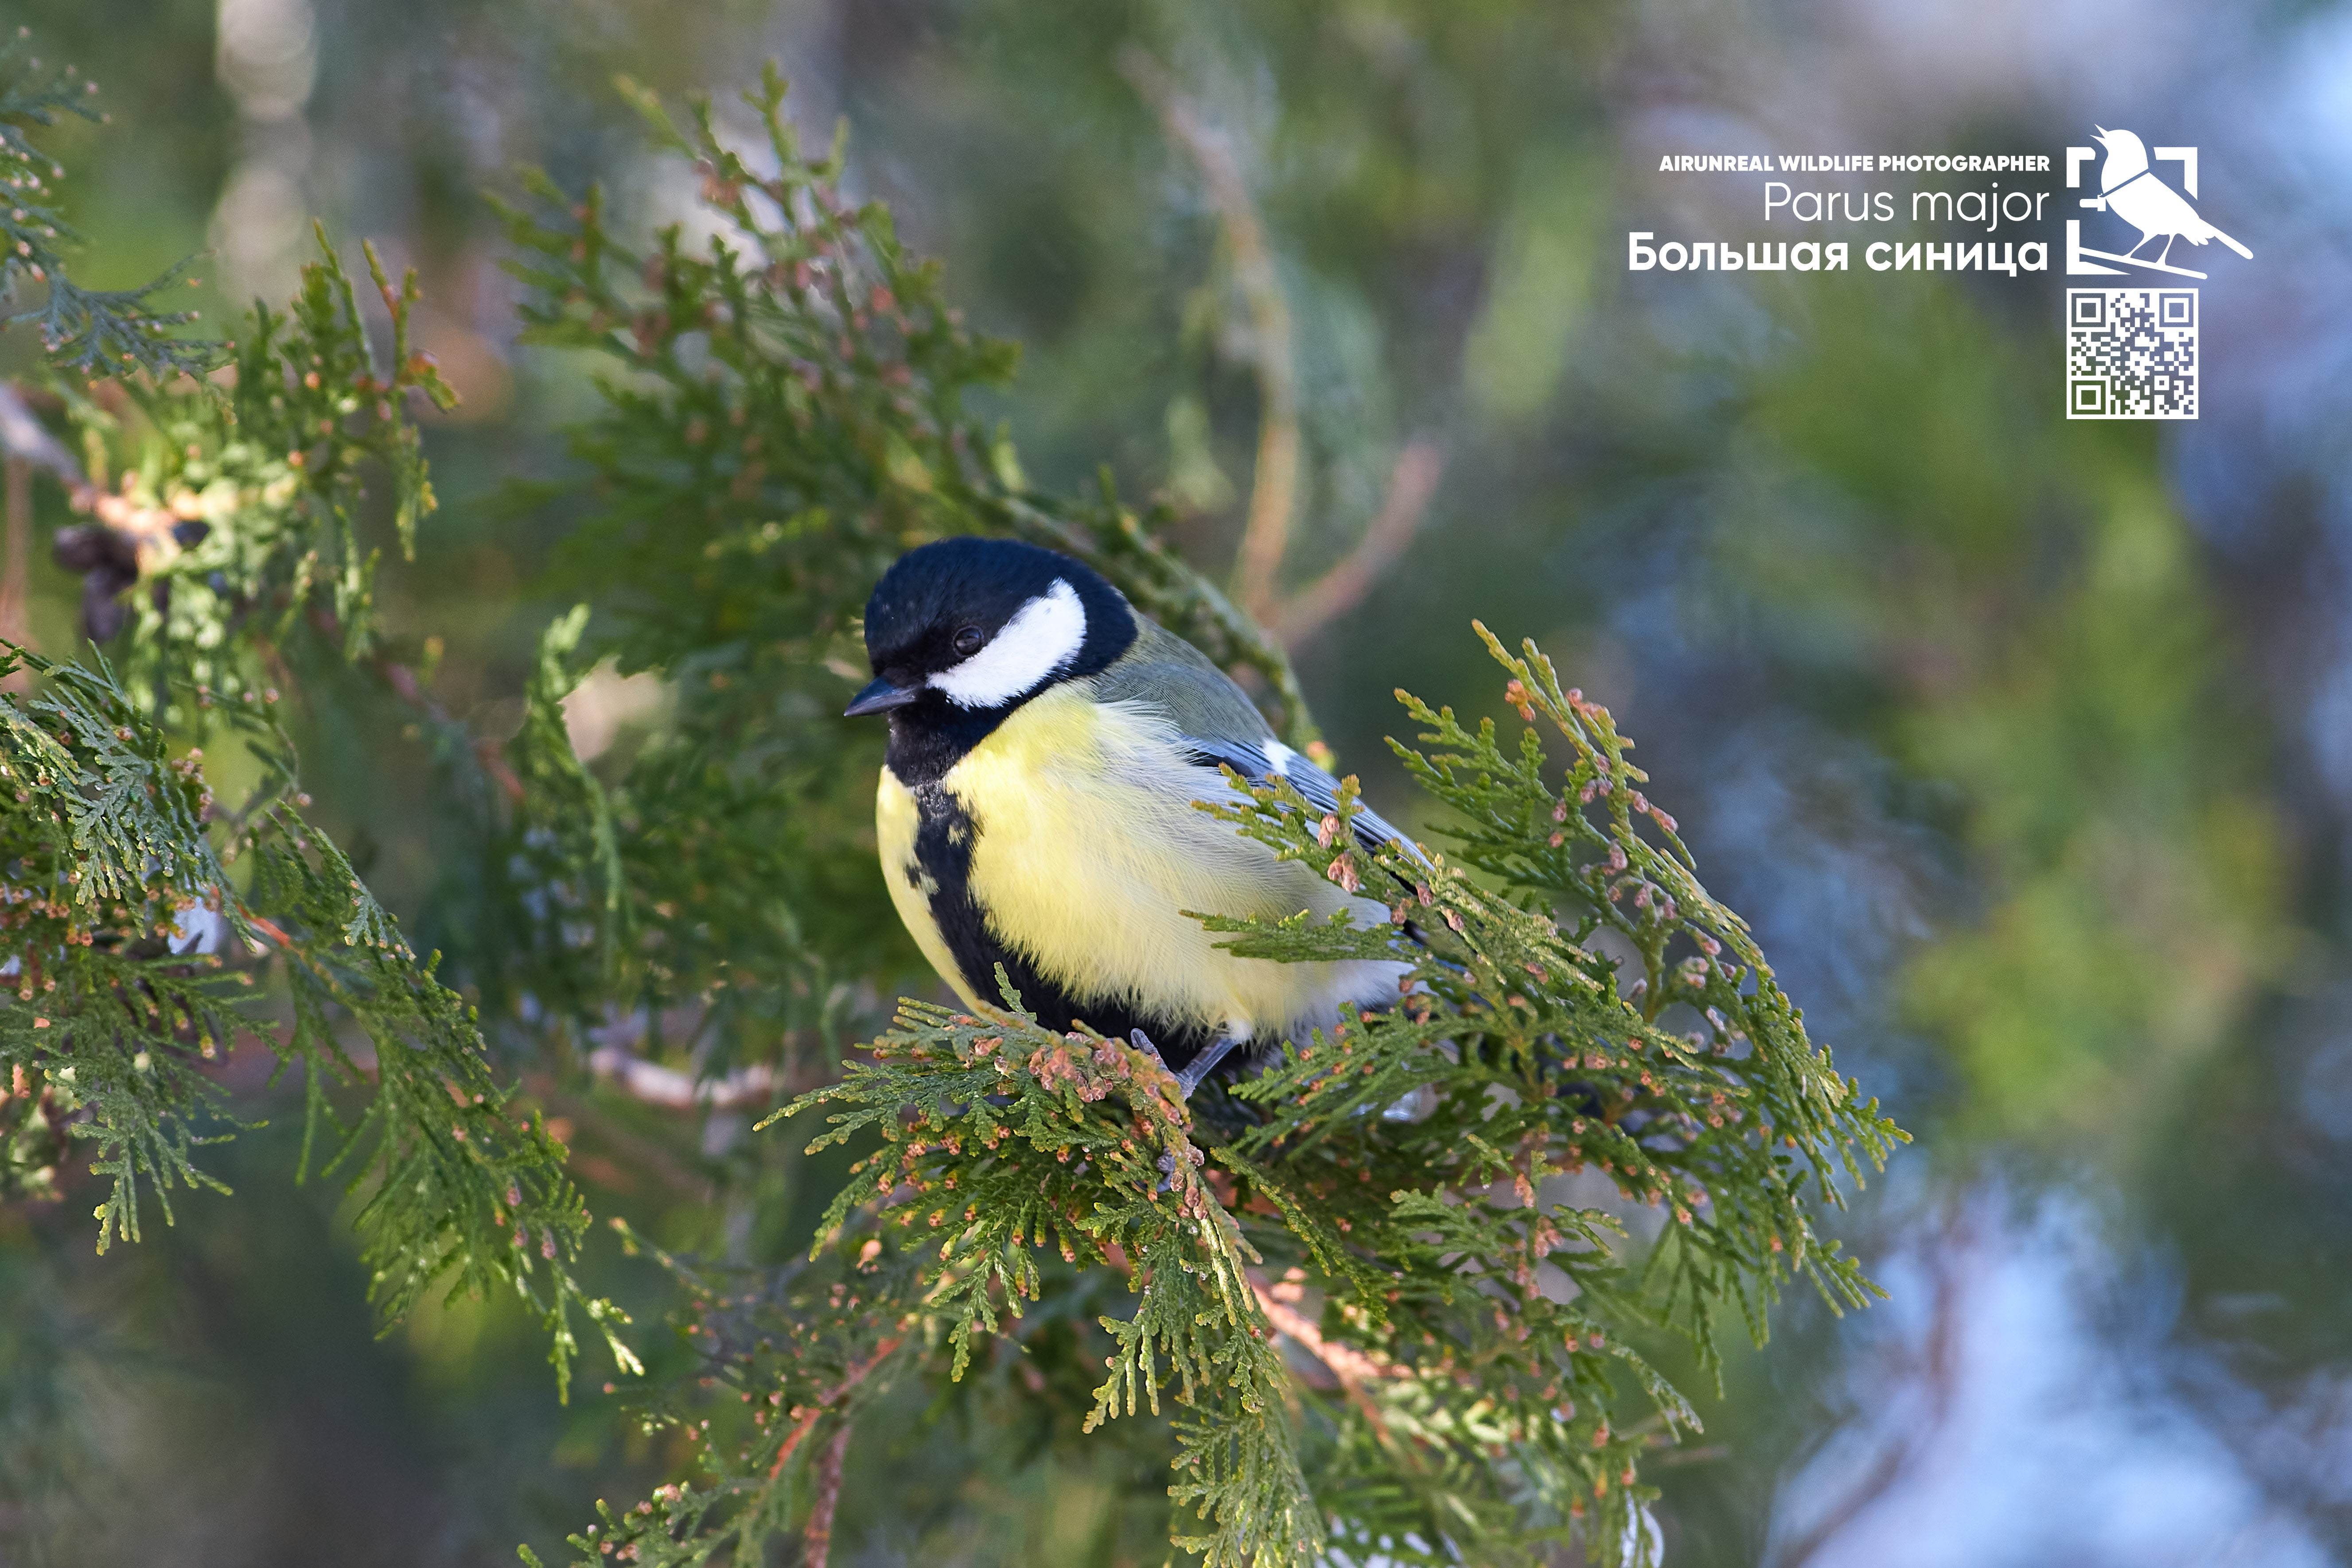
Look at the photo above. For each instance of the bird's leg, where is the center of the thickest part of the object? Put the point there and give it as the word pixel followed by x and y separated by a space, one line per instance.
pixel 2165 255
pixel 1204 1062
pixel 2134 249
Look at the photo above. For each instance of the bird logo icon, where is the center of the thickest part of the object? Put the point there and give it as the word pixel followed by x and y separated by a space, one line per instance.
pixel 2130 189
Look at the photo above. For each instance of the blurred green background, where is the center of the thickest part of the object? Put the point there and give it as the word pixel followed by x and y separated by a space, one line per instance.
pixel 2026 746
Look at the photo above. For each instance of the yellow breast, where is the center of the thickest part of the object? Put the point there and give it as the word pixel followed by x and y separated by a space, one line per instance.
pixel 1087 852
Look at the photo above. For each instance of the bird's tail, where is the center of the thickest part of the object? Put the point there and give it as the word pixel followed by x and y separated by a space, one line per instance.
pixel 2233 244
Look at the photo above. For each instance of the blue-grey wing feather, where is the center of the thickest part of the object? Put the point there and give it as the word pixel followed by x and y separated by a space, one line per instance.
pixel 1223 728
pixel 1264 762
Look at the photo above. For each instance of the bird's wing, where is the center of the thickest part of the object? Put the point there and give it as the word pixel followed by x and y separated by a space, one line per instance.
pixel 1264 762
pixel 1220 726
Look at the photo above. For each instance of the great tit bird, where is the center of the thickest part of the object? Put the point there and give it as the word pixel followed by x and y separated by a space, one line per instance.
pixel 1037 809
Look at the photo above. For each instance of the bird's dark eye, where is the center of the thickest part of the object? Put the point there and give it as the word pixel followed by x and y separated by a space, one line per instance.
pixel 967 641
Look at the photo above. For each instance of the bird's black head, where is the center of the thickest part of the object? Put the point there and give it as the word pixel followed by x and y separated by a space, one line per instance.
pixel 961 632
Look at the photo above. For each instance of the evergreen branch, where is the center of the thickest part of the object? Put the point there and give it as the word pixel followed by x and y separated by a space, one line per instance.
pixel 237 512
pixel 120 912
pixel 792 1351
pixel 785 418
pixel 1080 1138
pixel 464 1187
pixel 784 414
pixel 89 332
pixel 110 331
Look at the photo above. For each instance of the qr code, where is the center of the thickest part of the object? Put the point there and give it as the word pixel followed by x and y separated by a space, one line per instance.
pixel 2131 354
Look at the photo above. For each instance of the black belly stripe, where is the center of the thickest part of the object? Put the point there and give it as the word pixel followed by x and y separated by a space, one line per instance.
pixel 943 834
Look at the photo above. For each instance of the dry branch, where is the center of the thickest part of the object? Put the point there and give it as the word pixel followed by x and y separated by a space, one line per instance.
pixel 1342 588
pixel 1274 487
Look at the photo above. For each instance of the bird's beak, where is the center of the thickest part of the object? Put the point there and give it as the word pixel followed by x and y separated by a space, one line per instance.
pixel 880 698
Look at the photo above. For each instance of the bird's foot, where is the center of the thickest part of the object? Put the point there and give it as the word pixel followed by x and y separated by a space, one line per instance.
pixel 1204 1062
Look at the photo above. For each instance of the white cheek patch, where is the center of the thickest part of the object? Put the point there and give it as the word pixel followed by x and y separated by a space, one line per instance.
pixel 1043 637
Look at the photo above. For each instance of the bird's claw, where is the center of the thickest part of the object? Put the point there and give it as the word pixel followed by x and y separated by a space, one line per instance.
pixel 1188 1076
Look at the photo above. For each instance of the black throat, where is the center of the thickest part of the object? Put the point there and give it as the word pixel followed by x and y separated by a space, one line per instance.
pixel 931 735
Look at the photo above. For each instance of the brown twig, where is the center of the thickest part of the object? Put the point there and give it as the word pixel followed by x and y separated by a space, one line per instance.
pixel 816 1544
pixel 1349 1364
pixel 808 1423
pixel 1352 1367
pixel 270 929
pixel 1411 484
pixel 1274 486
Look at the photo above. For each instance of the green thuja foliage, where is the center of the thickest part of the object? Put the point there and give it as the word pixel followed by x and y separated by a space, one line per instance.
pixel 91 331
pixel 1419 1202
pixel 137 958
pixel 1387 1300
pixel 237 510
pixel 149 929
